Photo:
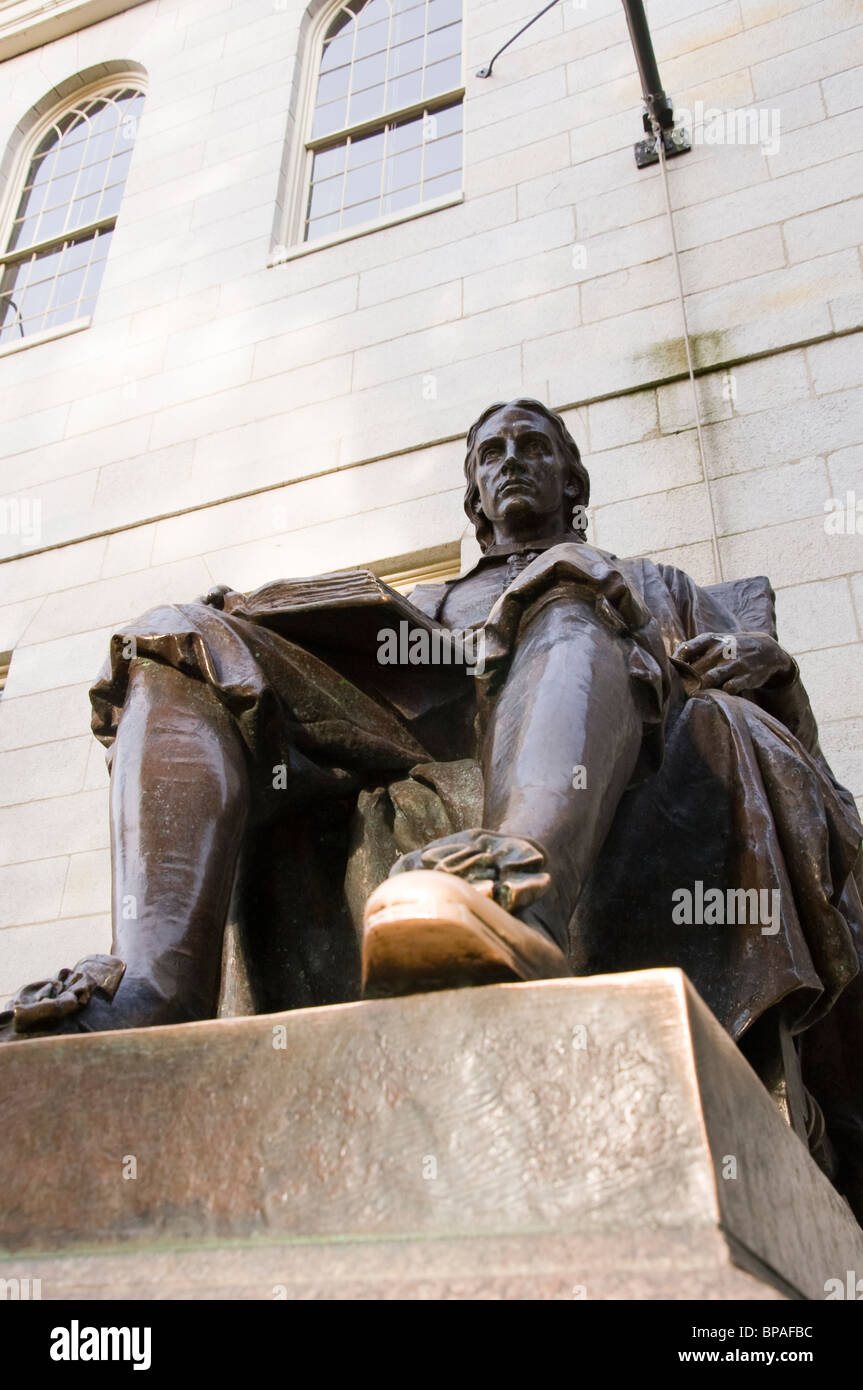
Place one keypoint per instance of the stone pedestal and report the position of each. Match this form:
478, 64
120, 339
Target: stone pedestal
598, 1138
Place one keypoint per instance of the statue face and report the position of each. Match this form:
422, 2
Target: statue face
520, 476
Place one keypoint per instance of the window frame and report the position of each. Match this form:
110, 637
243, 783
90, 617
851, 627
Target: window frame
20, 165
293, 244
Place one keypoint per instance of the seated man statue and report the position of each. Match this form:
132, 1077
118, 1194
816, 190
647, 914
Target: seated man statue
629, 777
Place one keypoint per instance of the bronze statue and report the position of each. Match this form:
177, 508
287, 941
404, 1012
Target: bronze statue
627, 776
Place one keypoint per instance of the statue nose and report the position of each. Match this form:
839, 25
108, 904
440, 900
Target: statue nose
511, 462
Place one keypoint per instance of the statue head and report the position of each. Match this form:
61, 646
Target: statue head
524, 474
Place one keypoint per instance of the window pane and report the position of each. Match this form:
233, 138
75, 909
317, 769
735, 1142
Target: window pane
338, 51
447, 183
370, 12
407, 57
442, 155
360, 212
369, 72
372, 38
334, 85
119, 166
101, 244
99, 147
47, 143
442, 77
404, 91
51, 223
405, 136
60, 191
24, 228
109, 204
77, 130
90, 179
68, 159
365, 150
366, 105
322, 226
42, 168
442, 12
36, 298
445, 122
402, 198
77, 253
65, 314
32, 200
83, 210
362, 184
102, 116
403, 169
9, 308
329, 118
42, 267
328, 162
410, 25
443, 43
94, 277
326, 197
67, 288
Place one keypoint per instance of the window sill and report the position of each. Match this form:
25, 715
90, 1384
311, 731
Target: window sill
46, 336
282, 254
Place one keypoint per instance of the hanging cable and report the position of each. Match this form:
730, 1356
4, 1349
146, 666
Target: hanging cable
717, 559
486, 71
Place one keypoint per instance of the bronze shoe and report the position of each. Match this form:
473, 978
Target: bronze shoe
426, 930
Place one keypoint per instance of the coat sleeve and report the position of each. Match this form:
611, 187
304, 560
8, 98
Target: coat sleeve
747, 605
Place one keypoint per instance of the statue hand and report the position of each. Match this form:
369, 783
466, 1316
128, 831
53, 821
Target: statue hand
38, 1007
737, 661
223, 597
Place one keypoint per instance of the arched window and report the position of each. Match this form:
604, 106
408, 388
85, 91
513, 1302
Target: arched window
61, 229
386, 126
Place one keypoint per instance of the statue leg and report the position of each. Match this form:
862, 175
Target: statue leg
179, 802
561, 746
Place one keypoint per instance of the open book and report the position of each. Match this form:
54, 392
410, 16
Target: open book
331, 609
358, 624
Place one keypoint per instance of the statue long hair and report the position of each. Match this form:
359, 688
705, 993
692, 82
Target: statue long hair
578, 482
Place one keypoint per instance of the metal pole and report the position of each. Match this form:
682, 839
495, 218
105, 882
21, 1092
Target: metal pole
655, 99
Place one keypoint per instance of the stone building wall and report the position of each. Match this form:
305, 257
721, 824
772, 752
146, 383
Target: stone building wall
232, 415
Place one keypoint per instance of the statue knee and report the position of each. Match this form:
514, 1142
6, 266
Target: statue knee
569, 618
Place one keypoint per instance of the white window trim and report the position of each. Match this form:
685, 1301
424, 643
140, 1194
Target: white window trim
108, 82
45, 335
422, 573
282, 254
291, 243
